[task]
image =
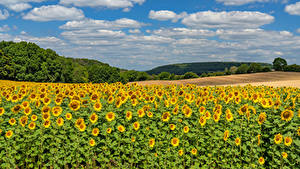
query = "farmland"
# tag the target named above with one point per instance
(170, 126)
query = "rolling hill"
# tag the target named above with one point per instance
(198, 67)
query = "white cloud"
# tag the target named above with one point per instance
(102, 24)
(184, 32)
(103, 3)
(4, 14)
(164, 15)
(298, 30)
(233, 19)
(239, 2)
(4, 28)
(293, 9)
(54, 12)
(19, 5)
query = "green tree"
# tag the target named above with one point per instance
(190, 75)
(254, 67)
(242, 69)
(279, 64)
(164, 76)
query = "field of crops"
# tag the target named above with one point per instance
(130, 126)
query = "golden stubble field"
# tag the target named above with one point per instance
(276, 79)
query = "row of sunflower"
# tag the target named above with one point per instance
(52, 125)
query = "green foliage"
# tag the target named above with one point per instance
(279, 64)
(198, 68)
(164, 76)
(190, 75)
(254, 68)
(292, 68)
(102, 73)
(242, 69)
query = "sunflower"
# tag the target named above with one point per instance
(97, 106)
(187, 111)
(237, 141)
(287, 115)
(288, 141)
(216, 117)
(2, 111)
(93, 118)
(141, 113)
(68, 116)
(47, 123)
(95, 131)
(46, 109)
(92, 142)
(128, 115)
(31, 125)
(243, 109)
(9, 134)
(258, 139)
(134, 102)
(74, 105)
(12, 121)
(278, 138)
(207, 115)
(34, 117)
(82, 127)
(56, 111)
(261, 118)
(136, 125)
(16, 108)
(194, 151)
(27, 111)
(121, 128)
(110, 116)
(261, 161)
(284, 154)
(46, 101)
(58, 101)
(202, 121)
(108, 130)
(229, 116)
(25, 104)
(175, 142)
(226, 135)
(186, 129)
(46, 116)
(149, 114)
(165, 116)
(175, 110)
(23, 121)
(132, 139)
(94, 97)
(202, 110)
(60, 121)
(151, 142)
(180, 152)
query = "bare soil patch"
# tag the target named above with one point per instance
(276, 79)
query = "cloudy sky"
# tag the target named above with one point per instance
(142, 34)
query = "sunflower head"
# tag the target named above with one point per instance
(186, 129)
(136, 125)
(31, 125)
(278, 138)
(121, 128)
(92, 142)
(9, 134)
(284, 155)
(93, 118)
(110, 116)
(237, 141)
(261, 161)
(288, 141)
(151, 142)
(60, 121)
(175, 142)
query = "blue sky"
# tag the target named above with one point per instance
(143, 34)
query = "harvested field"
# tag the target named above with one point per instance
(276, 79)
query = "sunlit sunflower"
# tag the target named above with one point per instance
(243, 109)
(134, 102)
(287, 115)
(128, 115)
(16, 108)
(9, 134)
(237, 141)
(284, 154)
(82, 127)
(180, 152)
(136, 125)
(93, 118)
(31, 125)
(151, 142)
(202, 121)
(261, 161)
(95, 131)
(47, 123)
(92, 142)
(229, 115)
(141, 113)
(110, 116)
(97, 106)
(2, 111)
(46, 116)
(60, 121)
(25, 104)
(187, 111)
(132, 139)
(172, 126)
(46, 109)
(258, 139)
(186, 129)
(288, 141)
(175, 142)
(58, 101)
(121, 128)
(108, 130)
(165, 116)
(34, 117)
(226, 135)
(56, 111)
(202, 110)
(74, 105)
(94, 97)
(216, 117)
(261, 118)
(207, 115)
(12, 121)
(23, 121)
(194, 151)
(149, 114)
(278, 138)
(68, 116)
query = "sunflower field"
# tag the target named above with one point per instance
(55, 125)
